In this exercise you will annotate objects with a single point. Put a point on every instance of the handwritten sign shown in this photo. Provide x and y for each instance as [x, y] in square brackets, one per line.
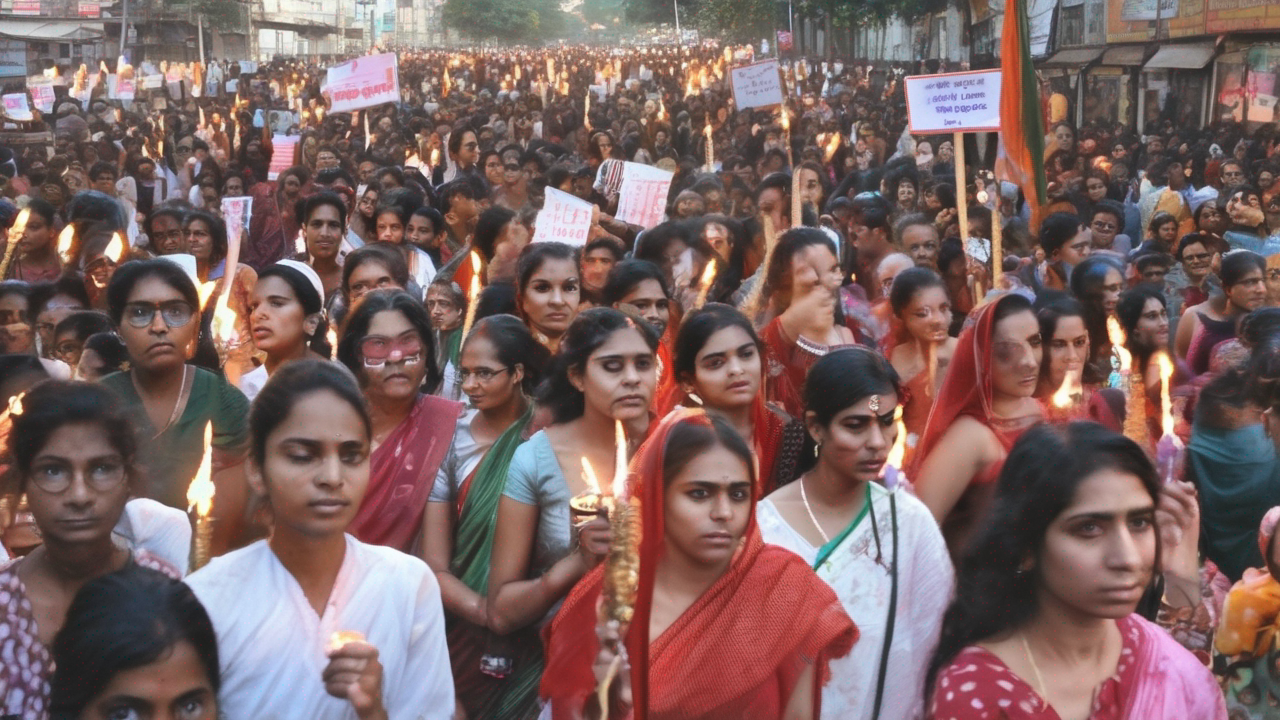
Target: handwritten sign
[563, 218]
[954, 102]
[42, 95]
[283, 148]
[237, 211]
[756, 85]
[364, 82]
[643, 198]
[16, 107]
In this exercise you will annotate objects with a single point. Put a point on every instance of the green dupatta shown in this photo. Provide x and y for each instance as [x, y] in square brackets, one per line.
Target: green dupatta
[473, 545]
[825, 551]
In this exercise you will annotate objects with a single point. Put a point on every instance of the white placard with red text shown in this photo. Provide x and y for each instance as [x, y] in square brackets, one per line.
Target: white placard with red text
[16, 107]
[643, 198]
[42, 95]
[563, 218]
[283, 148]
[364, 82]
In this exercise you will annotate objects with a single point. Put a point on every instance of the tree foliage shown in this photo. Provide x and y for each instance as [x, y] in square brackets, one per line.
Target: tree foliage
[741, 20]
[222, 14]
[507, 20]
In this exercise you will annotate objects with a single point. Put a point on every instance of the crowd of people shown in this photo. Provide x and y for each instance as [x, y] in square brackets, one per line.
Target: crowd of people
[878, 474]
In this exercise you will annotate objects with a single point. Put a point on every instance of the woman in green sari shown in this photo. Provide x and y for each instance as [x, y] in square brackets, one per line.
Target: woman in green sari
[498, 366]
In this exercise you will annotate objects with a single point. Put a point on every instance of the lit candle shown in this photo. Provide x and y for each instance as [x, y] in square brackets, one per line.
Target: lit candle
[341, 638]
[1135, 416]
[473, 299]
[704, 283]
[711, 148]
[1071, 392]
[115, 249]
[586, 504]
[200, 499]
[892, 474]
[13, 237]
[1170, 449]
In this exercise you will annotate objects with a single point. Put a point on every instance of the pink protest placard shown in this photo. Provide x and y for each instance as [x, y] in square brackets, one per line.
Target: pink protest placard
[364, 82]
[563, 218]
[643, 198]
[284, 147]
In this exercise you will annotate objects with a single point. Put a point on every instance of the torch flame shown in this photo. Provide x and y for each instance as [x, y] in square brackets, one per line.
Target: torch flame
[704, 283]
[224, 320]
[589, 476]
[66, 240]
[115, 249]
[200, 492]
[1166, 402]
[620, 460]
[20, 224]
[1116, 334]
[205, 291]
[15, 404]
[1071, 387]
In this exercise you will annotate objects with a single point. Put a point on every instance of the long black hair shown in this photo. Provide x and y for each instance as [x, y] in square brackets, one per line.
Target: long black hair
[123, 621]
[843, 377]
[514, 345]
[591, 329]
[994, 593]
[698, 327]
[356, 326]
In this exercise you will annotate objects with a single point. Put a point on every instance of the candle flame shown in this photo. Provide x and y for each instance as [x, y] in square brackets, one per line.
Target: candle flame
[899, 449]
[341, 638]
[224, 320]
[620, 460]
[300, 242]
[1166, 402]
[1116, 334]
[200, 492]
[205, 291]
[20, 225]
[115, 249]
[1071, 388]
[332, 337]
[589, 476]
[15, 404]
[66, 241]
[786, 121]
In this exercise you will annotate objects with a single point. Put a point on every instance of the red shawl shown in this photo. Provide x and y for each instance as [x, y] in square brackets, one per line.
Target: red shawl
[401, 473]
[736, 653]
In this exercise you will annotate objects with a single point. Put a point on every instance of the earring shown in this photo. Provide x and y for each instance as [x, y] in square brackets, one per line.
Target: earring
[694, 397]
[817, 449]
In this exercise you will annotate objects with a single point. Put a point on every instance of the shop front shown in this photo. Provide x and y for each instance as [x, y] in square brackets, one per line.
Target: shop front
[1244, 85]
[1061, 84]
[1174, 86]
[1110, 89]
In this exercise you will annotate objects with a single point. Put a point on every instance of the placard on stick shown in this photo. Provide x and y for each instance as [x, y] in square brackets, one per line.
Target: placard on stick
[756, 85]
[563, 218]
[643, 198]
[954, 102]
[364, 82]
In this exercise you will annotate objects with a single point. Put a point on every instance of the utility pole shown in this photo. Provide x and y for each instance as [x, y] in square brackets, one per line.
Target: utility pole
[124, 26]
[200, 34]
[679, 37]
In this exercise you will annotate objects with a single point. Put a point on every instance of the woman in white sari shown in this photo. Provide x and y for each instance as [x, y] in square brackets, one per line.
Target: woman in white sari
[873, 542]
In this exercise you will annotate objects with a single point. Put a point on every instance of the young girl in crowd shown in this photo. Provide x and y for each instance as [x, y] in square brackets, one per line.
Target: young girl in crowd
[725, 625]
[919, 348]
[286, 320]
[603, 374]
[361, 625]
[74, 456]
[1065, 365]
[1043, 622]
[387, 345]
[638, 286]
[720, 366]
[548, 290]
[879, 548]
[500, 365]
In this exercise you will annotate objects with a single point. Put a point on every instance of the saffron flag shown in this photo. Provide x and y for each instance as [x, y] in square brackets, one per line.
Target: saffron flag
[1020, 158]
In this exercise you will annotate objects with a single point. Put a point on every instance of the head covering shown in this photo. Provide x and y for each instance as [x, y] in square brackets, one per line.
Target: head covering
[759, 625]
[306, 272]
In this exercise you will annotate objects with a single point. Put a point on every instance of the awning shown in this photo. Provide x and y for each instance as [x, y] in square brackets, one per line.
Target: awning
[51, 31]
[1192, 56]
[1076, 57]
[1124, 56]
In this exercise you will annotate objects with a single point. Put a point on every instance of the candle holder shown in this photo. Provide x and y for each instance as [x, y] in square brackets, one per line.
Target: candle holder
[622, 564]
[201, 541]
[585, 507]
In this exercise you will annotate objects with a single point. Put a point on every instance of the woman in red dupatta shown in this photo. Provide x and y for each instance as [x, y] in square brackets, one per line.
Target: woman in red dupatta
[802, 286]
[984, 404]
[1065, 363]
[1043, 624]
[719, 366]
[387, 344]
[918, 345]
[724, 625]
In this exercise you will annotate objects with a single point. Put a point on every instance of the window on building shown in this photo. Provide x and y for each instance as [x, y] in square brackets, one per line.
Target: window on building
[1072, 26]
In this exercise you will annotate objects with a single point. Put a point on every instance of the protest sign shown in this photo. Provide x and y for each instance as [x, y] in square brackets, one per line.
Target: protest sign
[152, 82]
[42, 95]
[16, 107]
[954, 102]
[236, 211]
[643, 198]
[364, 82]
[563, 218]
[756, 85]
[284, 147]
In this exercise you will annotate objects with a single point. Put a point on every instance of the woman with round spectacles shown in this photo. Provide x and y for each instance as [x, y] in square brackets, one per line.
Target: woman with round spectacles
[155, 306]
[74, 452]
[388, 345]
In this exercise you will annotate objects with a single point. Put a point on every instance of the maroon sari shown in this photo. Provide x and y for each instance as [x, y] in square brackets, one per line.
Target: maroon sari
[401, 473]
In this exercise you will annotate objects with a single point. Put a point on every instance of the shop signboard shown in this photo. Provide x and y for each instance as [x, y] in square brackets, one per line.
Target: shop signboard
[1230, 15]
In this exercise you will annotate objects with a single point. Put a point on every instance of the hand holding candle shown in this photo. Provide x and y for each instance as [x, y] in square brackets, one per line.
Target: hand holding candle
[200, 499]
[1170, 450]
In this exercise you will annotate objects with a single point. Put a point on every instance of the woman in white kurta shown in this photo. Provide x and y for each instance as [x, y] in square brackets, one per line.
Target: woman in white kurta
[878, 547]
[311, 622]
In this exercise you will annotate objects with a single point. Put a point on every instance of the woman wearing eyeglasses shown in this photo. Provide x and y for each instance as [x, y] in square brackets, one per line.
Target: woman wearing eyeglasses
[388, 345]
[73, 452]
[155, 306]
[500, 364]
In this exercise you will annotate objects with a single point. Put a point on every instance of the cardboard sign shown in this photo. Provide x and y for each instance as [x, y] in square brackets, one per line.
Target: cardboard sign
[563, 218]
[42, 95]
[643, 198]
[284, 147]
[16, 107]
[954, 102]
[756, 85]
[364, 82]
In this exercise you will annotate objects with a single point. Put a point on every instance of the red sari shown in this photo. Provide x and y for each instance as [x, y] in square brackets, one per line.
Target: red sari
[787, 362]
[737, 652]
[401, 473]
[967, 390]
